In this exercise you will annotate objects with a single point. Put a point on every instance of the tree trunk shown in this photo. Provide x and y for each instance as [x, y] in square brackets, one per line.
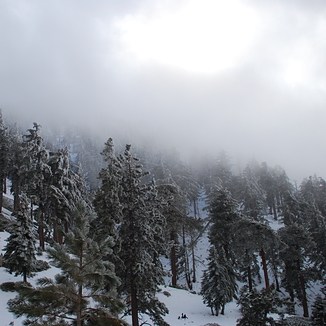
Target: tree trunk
[55, 233]
[217, 309]
[223, 309]
[79, 306]
[186, 259]
[5, 185]
[249, 272]
[80, 290]
[193, 264]
[134, 303]
[173, 259]
[1, 194]
[195, 209]
[277, 284]
[15, 187]
[41, 230]
[249, 278]
[263, 262]
[66, 227]
[303, 290]
[274, 209]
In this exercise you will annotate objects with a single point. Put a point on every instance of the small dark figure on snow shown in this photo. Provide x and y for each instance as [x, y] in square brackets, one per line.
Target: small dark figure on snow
[183, 316]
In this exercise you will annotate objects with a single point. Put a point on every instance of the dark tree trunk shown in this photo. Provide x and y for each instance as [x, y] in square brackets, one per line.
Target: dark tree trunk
[134, 303]
[217, 310]
[193, 264]
[79, 306]
[249, 278]
[249, 272]
[274, 209]
[173, 259]
[277, 284]
[80, 291]
[5, 185]
[223, 308]
[41, 230]
[188, 280]
[264, 265]
[15, 187]
[1, 194]
[66, 227]
[303, 290]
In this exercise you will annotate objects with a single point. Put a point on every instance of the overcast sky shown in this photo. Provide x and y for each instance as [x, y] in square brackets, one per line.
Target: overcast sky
[246, 76]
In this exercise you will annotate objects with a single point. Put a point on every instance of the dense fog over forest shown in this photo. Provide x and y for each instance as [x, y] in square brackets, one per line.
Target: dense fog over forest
[244, 76]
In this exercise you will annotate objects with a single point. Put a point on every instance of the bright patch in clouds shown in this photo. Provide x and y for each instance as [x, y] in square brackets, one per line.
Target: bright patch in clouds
[204, 36]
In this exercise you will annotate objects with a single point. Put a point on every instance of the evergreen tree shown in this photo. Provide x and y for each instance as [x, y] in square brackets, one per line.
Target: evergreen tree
[223, 218]
[268, 183]
[142, 241]
[20, 251]
[15, 171]
[132, 208]
[218, 285]
[251, 197]
[295, 255]
[255, 306]
[318, 310]
[84, 293]
[36, 174]
[107, 198]
[173, 210]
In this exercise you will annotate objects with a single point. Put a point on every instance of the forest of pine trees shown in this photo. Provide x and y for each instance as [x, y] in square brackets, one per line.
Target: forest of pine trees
[107, 215]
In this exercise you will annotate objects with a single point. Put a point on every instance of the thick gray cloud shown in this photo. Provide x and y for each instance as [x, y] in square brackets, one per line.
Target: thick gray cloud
[65, 62]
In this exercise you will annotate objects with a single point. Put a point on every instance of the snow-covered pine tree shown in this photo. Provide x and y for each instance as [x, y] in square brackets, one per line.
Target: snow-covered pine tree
[218, 285]
[318, 310]
[20, 251]
[268, 183]
[256, 306]
[61, 198]
[173, 210]
[36, 175]
[223, 218]
[251, 196]
[222, 172]
[15, 170]
[301, 254]
[84, 292]
[142, 236]
[107, 198]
